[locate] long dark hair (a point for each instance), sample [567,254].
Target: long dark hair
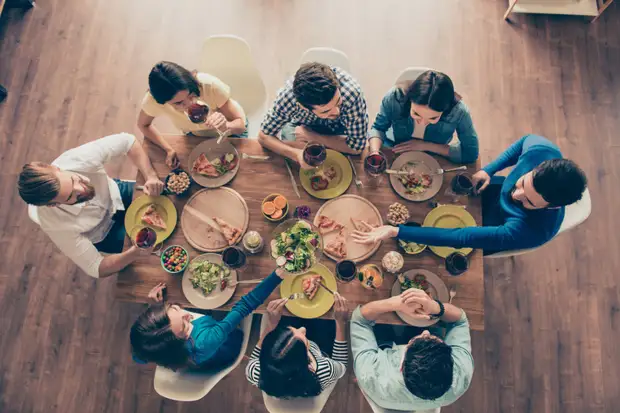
[167,79]
[152,339]
[284,369]
[432,89]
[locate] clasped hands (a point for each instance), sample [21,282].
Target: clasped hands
[415,303]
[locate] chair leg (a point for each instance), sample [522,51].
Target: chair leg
[3,93]
[510,7]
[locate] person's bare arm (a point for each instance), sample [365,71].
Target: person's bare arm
[276,145]
[335,142]
[112,264]
[145,124]
[235,117]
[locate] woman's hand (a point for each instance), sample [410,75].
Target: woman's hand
[216,120]
[274,314]
[172,159]
[480,178]
[157,293]
[378,234]
[412,145]
[341,309]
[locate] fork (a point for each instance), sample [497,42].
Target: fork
[256,157]
[452,293]
[222,135]
[443,171]
[256,281]
[358,182]
[295,296]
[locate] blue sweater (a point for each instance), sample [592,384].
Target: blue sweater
[508,226]
[210,339]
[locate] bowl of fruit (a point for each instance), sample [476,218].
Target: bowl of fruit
[275,207]
[174,259]
[178,182]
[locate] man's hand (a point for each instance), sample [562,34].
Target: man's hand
[216,120]
[299,157]
[480,178]
[274,314]
[172,159]
[411,145]
[157,293]
[341,309]
[153,186]
[378,234]
[421,301]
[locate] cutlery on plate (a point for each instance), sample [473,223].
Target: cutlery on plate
[295,296]
[443,171]
[223,135]
[452,293]
[394,172]
[290,173]
[256,157]
[206,219]
[358,182]
[256,281]
[324,286]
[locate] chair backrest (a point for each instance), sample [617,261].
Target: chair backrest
[229,58]
[574,215]
[186,386]
[376,409]
[33,214]
[411,73]
[327,56]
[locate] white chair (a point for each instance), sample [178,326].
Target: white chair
[229,58]
[411,73]
[188,387]
[33,214]
[327,56]
[298,405]
[377,409]
[574,215]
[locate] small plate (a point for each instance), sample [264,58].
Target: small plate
[336,187]
[440,293]
[217,298]
[163,205]
[322,301]
[213,150]
[426,164]
[449,216]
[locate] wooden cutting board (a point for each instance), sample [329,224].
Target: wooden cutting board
[342,209]
[224,203]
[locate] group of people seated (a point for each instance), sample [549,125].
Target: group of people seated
[82,211]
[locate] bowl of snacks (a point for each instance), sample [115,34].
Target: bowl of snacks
[393,262]
[174,259]
[178,182]
[398,214]
[275,207]
[296,246]
[370,276]
[411,248]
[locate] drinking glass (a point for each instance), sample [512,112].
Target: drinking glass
[346,271]
[457,263]
[375,165]
[314,154]
[234,258]
[462,184]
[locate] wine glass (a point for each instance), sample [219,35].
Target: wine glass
[198,112]
[234,258]
[314,154]
[375,165]
[346,271]
[145,238]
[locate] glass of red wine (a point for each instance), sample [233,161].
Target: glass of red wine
[314,154]
[234,258]
[346,271]
[457,263]
[198,112]
[375,165]
[144,238]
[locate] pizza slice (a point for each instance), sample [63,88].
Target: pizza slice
[310,285]
[204,167]
[337,247]
[152,218]
[327,225]
[361,225]
[232,234]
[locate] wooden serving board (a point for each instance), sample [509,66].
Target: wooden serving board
[224,203]
[342,209]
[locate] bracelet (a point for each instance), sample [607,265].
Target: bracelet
[441,312]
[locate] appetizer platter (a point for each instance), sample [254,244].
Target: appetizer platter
[316,300]
[296,246]
[156,212]
[420,183]
[212,165]
[329,180]
[423,280]
[207,282]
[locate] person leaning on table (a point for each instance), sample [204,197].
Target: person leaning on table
[167,335]
[522,210]
[422,115]
[321,104]
[81,209]
[172,90]
[285,364]
[428,372]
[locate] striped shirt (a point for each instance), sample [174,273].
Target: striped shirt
[352,122]
[329,370]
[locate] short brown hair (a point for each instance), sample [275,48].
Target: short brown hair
[315,84]
[38,184]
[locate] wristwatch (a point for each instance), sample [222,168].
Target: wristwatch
[441,312]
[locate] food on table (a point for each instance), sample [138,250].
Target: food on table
[414,182]
[153,218]
[275,207]
[206,276]
[418,281]
[216,167]
[411,247]
[370,276]
[310,285]
[253,242]
[178,183]
[174,259]
[337,247]
[269,208]
[323,176]
[302,212]
[295,248]
[327,224]
[231,233]
[398,214]
[393,262]
[361,225]
[280,202]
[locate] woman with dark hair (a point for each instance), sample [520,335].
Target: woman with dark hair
[285,364]
[422,116]
[171,337]
[172,90]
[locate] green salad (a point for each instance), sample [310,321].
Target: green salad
[294,249]
[206,276]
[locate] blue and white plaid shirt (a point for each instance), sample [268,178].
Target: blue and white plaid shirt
[352,122]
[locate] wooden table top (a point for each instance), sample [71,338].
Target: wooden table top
[257,179]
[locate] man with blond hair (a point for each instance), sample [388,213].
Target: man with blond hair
[81,208]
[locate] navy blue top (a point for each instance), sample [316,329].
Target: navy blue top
[510,225]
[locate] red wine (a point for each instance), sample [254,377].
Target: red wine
[315,154]
[197,112]
[375,164]
[346,270]
[462,184]
[145,238]
[234,257]
[457,263]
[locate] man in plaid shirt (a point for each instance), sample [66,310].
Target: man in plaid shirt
[320,104]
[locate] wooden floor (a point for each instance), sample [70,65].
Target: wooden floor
[76,70]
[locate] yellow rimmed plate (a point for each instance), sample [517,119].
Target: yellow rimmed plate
[336,187]
[322,301]
[163,205]
[449,216]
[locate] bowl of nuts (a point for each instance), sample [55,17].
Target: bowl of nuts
[398,214]
[178,182]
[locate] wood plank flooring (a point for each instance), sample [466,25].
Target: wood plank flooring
[76,70]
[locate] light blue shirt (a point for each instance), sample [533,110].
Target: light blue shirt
[378,371]
[394,125]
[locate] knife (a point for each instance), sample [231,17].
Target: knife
[290,173]
[324,286]
[206,219]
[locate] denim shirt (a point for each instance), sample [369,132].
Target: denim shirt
[391,118]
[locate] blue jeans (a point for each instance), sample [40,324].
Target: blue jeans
[114,241]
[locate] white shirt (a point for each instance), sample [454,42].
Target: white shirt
[75,228]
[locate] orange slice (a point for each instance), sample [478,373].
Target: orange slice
[278,214]
[280,202]
[269,208]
